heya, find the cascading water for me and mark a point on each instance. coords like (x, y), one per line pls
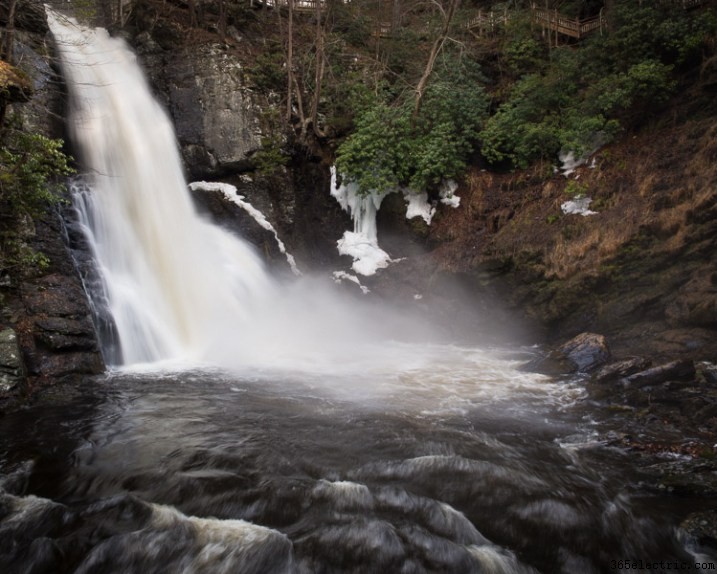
(164, 268)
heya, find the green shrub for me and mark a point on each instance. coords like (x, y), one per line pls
(268, 72)
(391, 146)
(30, 167)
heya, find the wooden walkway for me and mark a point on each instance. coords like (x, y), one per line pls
(488, 23)
(557, 22)
(298, 5)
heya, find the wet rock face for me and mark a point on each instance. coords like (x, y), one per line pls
(63, 335)
(29, 15)
(216, 117)
(58, 338)
(62, 326)
(31, 49)
(46, 331)
(11, 366)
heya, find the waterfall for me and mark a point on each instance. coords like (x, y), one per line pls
(180, 290)
(175, 282)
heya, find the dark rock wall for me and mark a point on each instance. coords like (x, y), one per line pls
(217, 118)
(641, 271)
(47, 309)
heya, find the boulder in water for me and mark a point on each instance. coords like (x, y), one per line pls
(672, 371)
(621, 369)
(699, 531)
(582, 354)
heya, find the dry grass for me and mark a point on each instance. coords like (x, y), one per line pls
(587, 252)
(646, 185)
(652, 187)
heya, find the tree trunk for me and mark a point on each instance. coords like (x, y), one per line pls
(318, 71)
(8, 47)
(435, 50)
(223, 20)
(192, 5)
(395, 16)
(289, 60)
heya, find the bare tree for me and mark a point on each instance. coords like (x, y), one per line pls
(319, 66)
(8, 45)
(289, 60)
(222, 20)
(395, 16)
(192, 6)
(435, 50)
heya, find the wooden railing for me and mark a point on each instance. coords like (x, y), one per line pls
(487, 22)
(299, 5)
(687, 4)
(557, 22)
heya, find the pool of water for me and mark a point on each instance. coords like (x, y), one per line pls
(456, 462)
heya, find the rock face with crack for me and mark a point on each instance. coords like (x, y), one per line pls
(216, 116)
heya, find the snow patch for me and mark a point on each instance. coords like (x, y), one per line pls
(362, 242)
(231, 193)
(448, 195)
(368, 256)
(578, 206)
(569, 163)
(417, 205)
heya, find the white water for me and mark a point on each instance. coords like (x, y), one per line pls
(171, 277)
(180, 289)
(364, 453)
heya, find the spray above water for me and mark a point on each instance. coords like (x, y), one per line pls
(182, 290)
(179, 287)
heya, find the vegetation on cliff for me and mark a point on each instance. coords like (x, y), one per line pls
(409, 95)
(413, 93)
(30, 165)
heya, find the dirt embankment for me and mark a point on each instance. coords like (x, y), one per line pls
(642, 270)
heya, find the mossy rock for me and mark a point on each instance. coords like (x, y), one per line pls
(15, 85)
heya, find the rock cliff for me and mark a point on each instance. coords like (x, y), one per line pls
(46, 322)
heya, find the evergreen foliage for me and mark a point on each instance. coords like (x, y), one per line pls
(30, 165)
(392, 147)
(575, 95)
(356, 68)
